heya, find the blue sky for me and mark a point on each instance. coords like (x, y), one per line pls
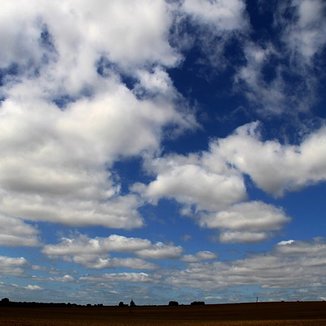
(162, 150)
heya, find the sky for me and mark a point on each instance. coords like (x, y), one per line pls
(162, 150)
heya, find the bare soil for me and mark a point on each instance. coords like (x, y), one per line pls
(250, 314)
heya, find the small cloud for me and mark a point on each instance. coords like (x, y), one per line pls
(285, 242)
(33, 287)
(186, 237)
(199, 256)
(65, 278)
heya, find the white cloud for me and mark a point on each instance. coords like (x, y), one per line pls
(288, 266)
(33, 287)
(292, 247)
(274, 167)
(200, 179)
(208, 182)
(264, 79)
(246, 222)
(129, 32)
(64, 278)
(305, 36)
(225, 15)
(100, 263)
(119, 277)
(94, 253)
(76, 189)
(103, 120)
(268, 97)
(160, 250)
(15, 232)
(285, 242)
(81, 244)
(12, 266)
(227, 236)
(199, 256)
(214, 24)
(154, 82)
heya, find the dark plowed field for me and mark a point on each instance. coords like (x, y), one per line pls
(283, 313)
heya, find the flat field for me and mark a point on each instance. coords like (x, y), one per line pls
(249, 314)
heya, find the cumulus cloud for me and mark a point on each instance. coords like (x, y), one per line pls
(212, 183)
(203, 180)
(94, 253)
(246, 222)
(287, 266)
(130, 33)
(275, 167)
(15, 232)
(12, 266)
(52, 185)
(65, 90)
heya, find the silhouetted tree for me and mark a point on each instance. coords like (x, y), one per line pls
(197, 303)
(5, 301)
(121, 304)
(132, 303)
(173, 303)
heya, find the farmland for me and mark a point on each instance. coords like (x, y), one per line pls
(250, 314)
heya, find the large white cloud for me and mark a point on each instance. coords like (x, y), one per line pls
(55, 166)
(203, 180)
(274, 167)
(63, 124)
(129, 32)
(209, 183)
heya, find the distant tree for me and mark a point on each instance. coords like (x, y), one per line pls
(121, 304)
(132, 303)
(5, 301)
(173, 303)
(197, 303)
